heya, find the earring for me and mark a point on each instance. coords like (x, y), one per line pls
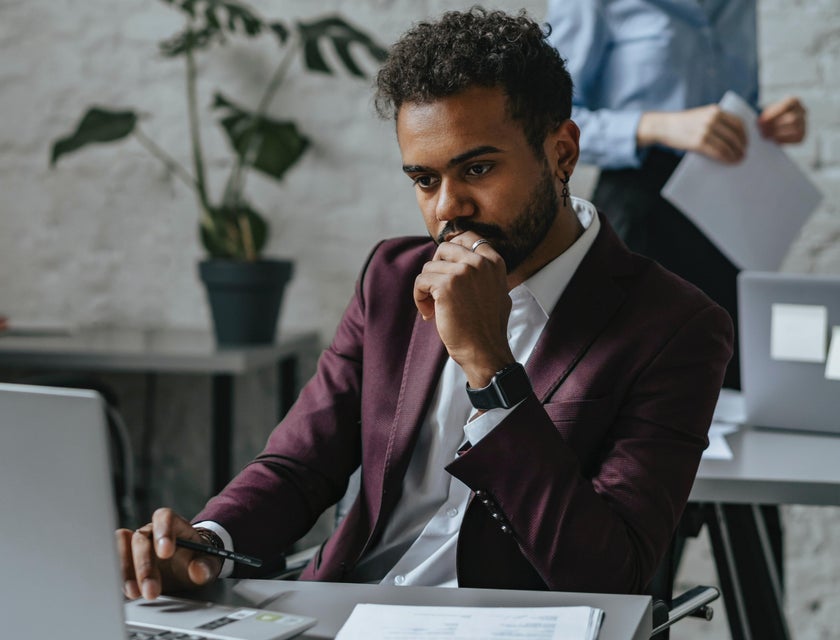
(565, 193)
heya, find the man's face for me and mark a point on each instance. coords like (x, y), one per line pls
(473, 170)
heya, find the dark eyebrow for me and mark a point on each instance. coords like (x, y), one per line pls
(459, 159)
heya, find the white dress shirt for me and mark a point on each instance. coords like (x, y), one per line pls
(418, 544)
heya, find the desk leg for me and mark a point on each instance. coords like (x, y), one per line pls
(222, 431)
(287, 385)
(747, 572)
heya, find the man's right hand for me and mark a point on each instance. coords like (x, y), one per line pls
(708, 130)
(151, 563)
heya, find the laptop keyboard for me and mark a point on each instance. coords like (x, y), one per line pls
(135, 633)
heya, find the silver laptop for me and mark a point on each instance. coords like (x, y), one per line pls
(786, 324)
(58, 561)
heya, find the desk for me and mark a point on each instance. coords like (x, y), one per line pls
(768, 467)
(168, 351)
(627, 617)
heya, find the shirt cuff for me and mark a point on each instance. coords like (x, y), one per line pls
(479, 427)
(219, 530)
(610, 139)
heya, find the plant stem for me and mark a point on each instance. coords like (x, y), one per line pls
(169, 162)
(195, 137)
(235, 183)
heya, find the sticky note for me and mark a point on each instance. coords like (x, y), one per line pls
(798, 332)
(832, 363)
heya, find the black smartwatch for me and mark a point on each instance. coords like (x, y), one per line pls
(507, 388)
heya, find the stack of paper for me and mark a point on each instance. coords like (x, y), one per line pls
(396, 622)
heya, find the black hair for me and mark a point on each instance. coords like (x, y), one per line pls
(437, 59)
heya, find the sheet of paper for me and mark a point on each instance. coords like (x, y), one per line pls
(798, 332)
(832, 362)
(394, 622)
(752, 210)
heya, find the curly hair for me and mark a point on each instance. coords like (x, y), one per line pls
(477, 47)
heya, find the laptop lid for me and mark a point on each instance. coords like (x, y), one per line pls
(58, 559)
(785, 327)
(56, 515)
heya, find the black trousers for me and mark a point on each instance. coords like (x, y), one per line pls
(648, 224)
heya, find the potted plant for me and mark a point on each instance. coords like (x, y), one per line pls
(244, 289)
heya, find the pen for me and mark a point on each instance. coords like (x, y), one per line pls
(221, 553)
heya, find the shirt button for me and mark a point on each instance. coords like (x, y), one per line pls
(398, 580)
(452, 512)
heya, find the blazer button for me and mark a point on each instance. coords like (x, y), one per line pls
(481, 493)
(506, 529)
(495, 515)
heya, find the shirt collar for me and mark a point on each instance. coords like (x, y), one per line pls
(547, 285)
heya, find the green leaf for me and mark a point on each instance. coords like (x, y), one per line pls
(97, 125)
(223, 238)
(209, 23)
(341, 34)
(280, 30)
(189, 40)
(270, 146)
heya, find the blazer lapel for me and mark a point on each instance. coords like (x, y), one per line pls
(424, 362)
(591, 298)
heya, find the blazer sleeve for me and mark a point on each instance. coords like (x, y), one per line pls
(603, 526)
(309, 456)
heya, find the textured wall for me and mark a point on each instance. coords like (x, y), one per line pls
(109, 237)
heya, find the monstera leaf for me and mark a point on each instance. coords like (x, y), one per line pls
(341, 35)
(97, 125)
(272, 146)
(211, 20)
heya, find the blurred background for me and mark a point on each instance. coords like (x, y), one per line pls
(109, 236)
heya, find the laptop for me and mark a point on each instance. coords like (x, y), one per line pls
(786, 323)
(58, 559)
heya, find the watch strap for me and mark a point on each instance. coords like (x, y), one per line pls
(507, 388)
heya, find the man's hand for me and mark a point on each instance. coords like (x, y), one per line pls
(783, 121)
(466, 294)
(708, 130)
(151, 562)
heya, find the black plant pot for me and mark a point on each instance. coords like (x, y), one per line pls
(245, 298)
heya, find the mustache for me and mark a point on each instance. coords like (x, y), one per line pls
(487, 231)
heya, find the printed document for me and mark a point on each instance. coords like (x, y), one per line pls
(397, 622)
(752, 210)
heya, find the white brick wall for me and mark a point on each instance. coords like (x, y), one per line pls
(109, 237)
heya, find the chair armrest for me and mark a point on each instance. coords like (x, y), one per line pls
(296, 562)
(691, 603)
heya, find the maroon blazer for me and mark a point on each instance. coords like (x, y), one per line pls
(579, 489)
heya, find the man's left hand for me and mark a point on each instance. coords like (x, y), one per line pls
(466, 294)
(783, 121)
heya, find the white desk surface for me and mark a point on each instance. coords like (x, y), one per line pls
(771, 466)
(158, 350)
(626, 617)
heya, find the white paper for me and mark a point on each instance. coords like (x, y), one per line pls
(832, 363)
(396, 622)
(798, 332)
(752, 210)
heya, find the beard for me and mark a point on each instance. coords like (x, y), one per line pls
(525, 232)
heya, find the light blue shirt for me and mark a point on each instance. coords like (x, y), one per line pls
(627, 57)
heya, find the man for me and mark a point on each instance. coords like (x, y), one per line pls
(568, 473)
